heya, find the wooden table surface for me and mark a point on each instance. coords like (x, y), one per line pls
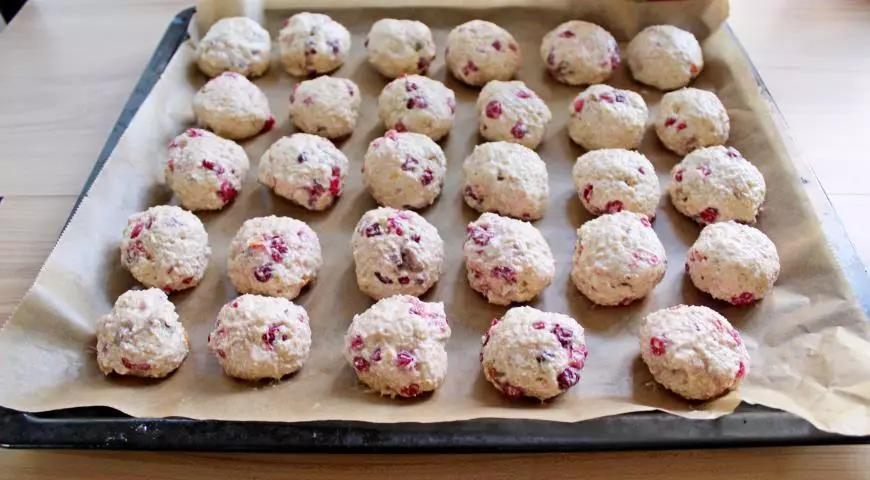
(68, 66)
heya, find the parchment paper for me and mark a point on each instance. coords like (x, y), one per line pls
(809, 339)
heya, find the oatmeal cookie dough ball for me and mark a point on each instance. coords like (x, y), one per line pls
(613, 180)
(232, 107)
(693, 351)
(605, 117)
(236, 44)
(479, 51)
(580, 53)
(400, 47)
(506, 178)
(396, 252)
(511, 112)
(417, 104)
(404, 170)
(325, 106)
(205, 171)
(396, 347)
(306, 169)
(165, 247)
(533, 353)
(274, 256)
(733, 262)
(618, 259)
(665, 57)
(141, 336)
(691, 118)
(507, 260)
(717, 184)
(312, 43)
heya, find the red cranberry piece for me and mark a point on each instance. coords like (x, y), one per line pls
(709, 215)
(613, 206)
(356, 343)
(187, 281)
(587, 192)
(468, 68)
(137, 230)
(235, 304)
(657, 346)
(372, 230)
(567, 34)
(415, 238)
(681, 126)
(678, 175)
(410, 86)
(278, 248)
(193, 133)
(422, 64)
(416, 102)
(400, 127)
(493, 109)
(578, 356)
(308, 101)
(741, 370)
(451, 104)
(269, 336)
(293, 93)
(208, 165)
(480, 236)
(641, 170)
(670, 121)
(568, 378)
(427, 177)
(615, 60)
(171, 164)
(693, 69)
(333, 44)
(551, 58)
(404, 280)
(302, 158)
(405, 359)
(513, 47)
(606, 97)
(361, 364)
(409, 164)
(539, 325)
(733, 153)
(563, 335)
(411, 390)
(129, 365)
(227, 193)
(496, 45)
(268, 124)
(393, 226)
(503, 272)
(376, 355)
(511, 391)
(524, 94)
(263, 273)
(743, 299)
(645, 221)
(619, 97)
(519, 130)
(705, 170)
(468, 192)
(383, 279)
(578, 105)
(734, 334)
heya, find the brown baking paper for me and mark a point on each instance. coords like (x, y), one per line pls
(809, 339)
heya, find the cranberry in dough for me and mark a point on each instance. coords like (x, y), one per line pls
(717, 184)
(396, 347)
(733, 262)
(325, 106)
(261, 337)
(511, 112)
(693, 351)
(532, 353)
(141, 336)
(618, 259)
(404, 170)
(400, 47)
(507, 260)
(605, 117)
(306, 169)
(312, 43)
(205, 171)
(232, 107)
(690, 118)
(417, 104)
(479, 51)
(665, 57)
(580, 53)
(506, 178)
(236, 44)
(165, 247)
(274, 256)
(612, 180)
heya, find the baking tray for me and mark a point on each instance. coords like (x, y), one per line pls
(106, 428)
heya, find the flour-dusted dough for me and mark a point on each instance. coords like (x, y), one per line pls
(479, 51)
(232, 107)
(312, 43)
(613, 180)
(690, 118)
(665, 57)
(417, 104)
(580, 53)
(404, 170)
(511, 112)
(236, 44)
(205, 171)
(325, 106)
(605, 117)
(400, 47)
(506, 178)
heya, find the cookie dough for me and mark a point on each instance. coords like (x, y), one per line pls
(312, 44)
(665, 57)
(479, 51)
(690, 118)
(417, 104)
(580, 53)
(506, 178)
(605, 117)
(325, 106)
(613, 180)
(232, 107)
(511, 112)
(404, 170)
(236, 44)
(400, 47)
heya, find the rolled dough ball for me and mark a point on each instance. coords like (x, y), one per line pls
(506, 178)
(396, 347)
(507, 260)
(479, 51)
(605, 117)
(618, 259)
(141, 336)
(511, 112)
(305, 169)
(325, 106)
(400, 47)
(693, 351)
(717, 184)
(417, 104)
(312, 43)
(274, 256)
(261, 337)
(733, 262)
(165, 247)
(404, 170)
(236, 44)
(665, 57)
(580, 53)
(396, 252)
(690, 118)
(232, 107)
(612, 180)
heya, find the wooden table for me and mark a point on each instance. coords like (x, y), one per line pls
(67, 67)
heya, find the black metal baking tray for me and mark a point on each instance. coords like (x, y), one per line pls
(107, 428)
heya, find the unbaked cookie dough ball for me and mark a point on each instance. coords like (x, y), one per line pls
(274, 256)
(507, 260)
(690, 118)
(232, 107)
(306, 169)
(733, 262)
(396, 252)
(141, 336)
(533, 353)
(580, 53)
(165, 247)
(479, 51)
(605, 117)
(236, 44)
(665, 57)
(312, 43)
(261, 337)
(613, 180)
(325, 106)
(618, 259)
(417, 104)
(693, 351)
(404, 170)
(511, 112)
(506, 178)
(205, 171)
(717, 184)
(396, 347)
(400, 47)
